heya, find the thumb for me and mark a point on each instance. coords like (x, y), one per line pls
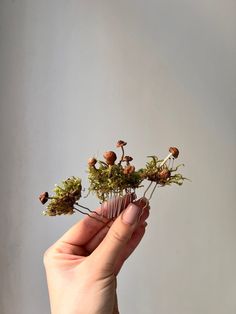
(109, 250)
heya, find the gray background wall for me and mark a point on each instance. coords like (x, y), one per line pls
(76, 76)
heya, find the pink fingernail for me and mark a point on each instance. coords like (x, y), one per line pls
(131, 214)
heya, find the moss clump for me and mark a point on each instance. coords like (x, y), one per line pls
(65, 197)
(109, 178)
(162, 174)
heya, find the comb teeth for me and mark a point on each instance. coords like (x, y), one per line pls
(116, 204)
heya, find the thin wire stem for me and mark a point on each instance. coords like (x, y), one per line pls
(84, 213)
(91, 211)
(147, 188)
(152, 191)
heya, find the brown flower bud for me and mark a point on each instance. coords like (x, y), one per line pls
(120, 143)
(129, 169)
(43, 197)
(110, 157)
(174, 151)
(92, 162)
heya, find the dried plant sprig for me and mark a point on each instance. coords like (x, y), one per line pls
(109, 180)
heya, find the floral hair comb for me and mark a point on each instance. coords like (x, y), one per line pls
(114, 183)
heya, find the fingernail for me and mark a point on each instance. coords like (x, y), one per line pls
(131, 214)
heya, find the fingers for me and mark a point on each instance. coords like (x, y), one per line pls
(109, 250)
(87, 234)
(82, 232)
(131, 246)
(98, 238)
(114, 206)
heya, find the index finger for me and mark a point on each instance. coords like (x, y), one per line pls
(82, 232)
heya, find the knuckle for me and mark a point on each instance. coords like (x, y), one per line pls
(119, 237)
(47, 256)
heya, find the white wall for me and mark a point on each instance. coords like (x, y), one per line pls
(76, 76)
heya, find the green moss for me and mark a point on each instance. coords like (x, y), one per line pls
(66, 195)
(108, 178)
(105, 180)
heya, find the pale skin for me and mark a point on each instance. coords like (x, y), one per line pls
(83, 264)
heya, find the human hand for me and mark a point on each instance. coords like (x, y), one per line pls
(82, 265)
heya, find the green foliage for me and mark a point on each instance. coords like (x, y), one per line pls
(154, 172)
(65, 197)
(107, 178)
(152, 166)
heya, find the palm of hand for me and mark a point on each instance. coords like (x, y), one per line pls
(82, 265)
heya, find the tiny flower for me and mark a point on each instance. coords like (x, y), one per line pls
(110, 157)
(43, 197)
